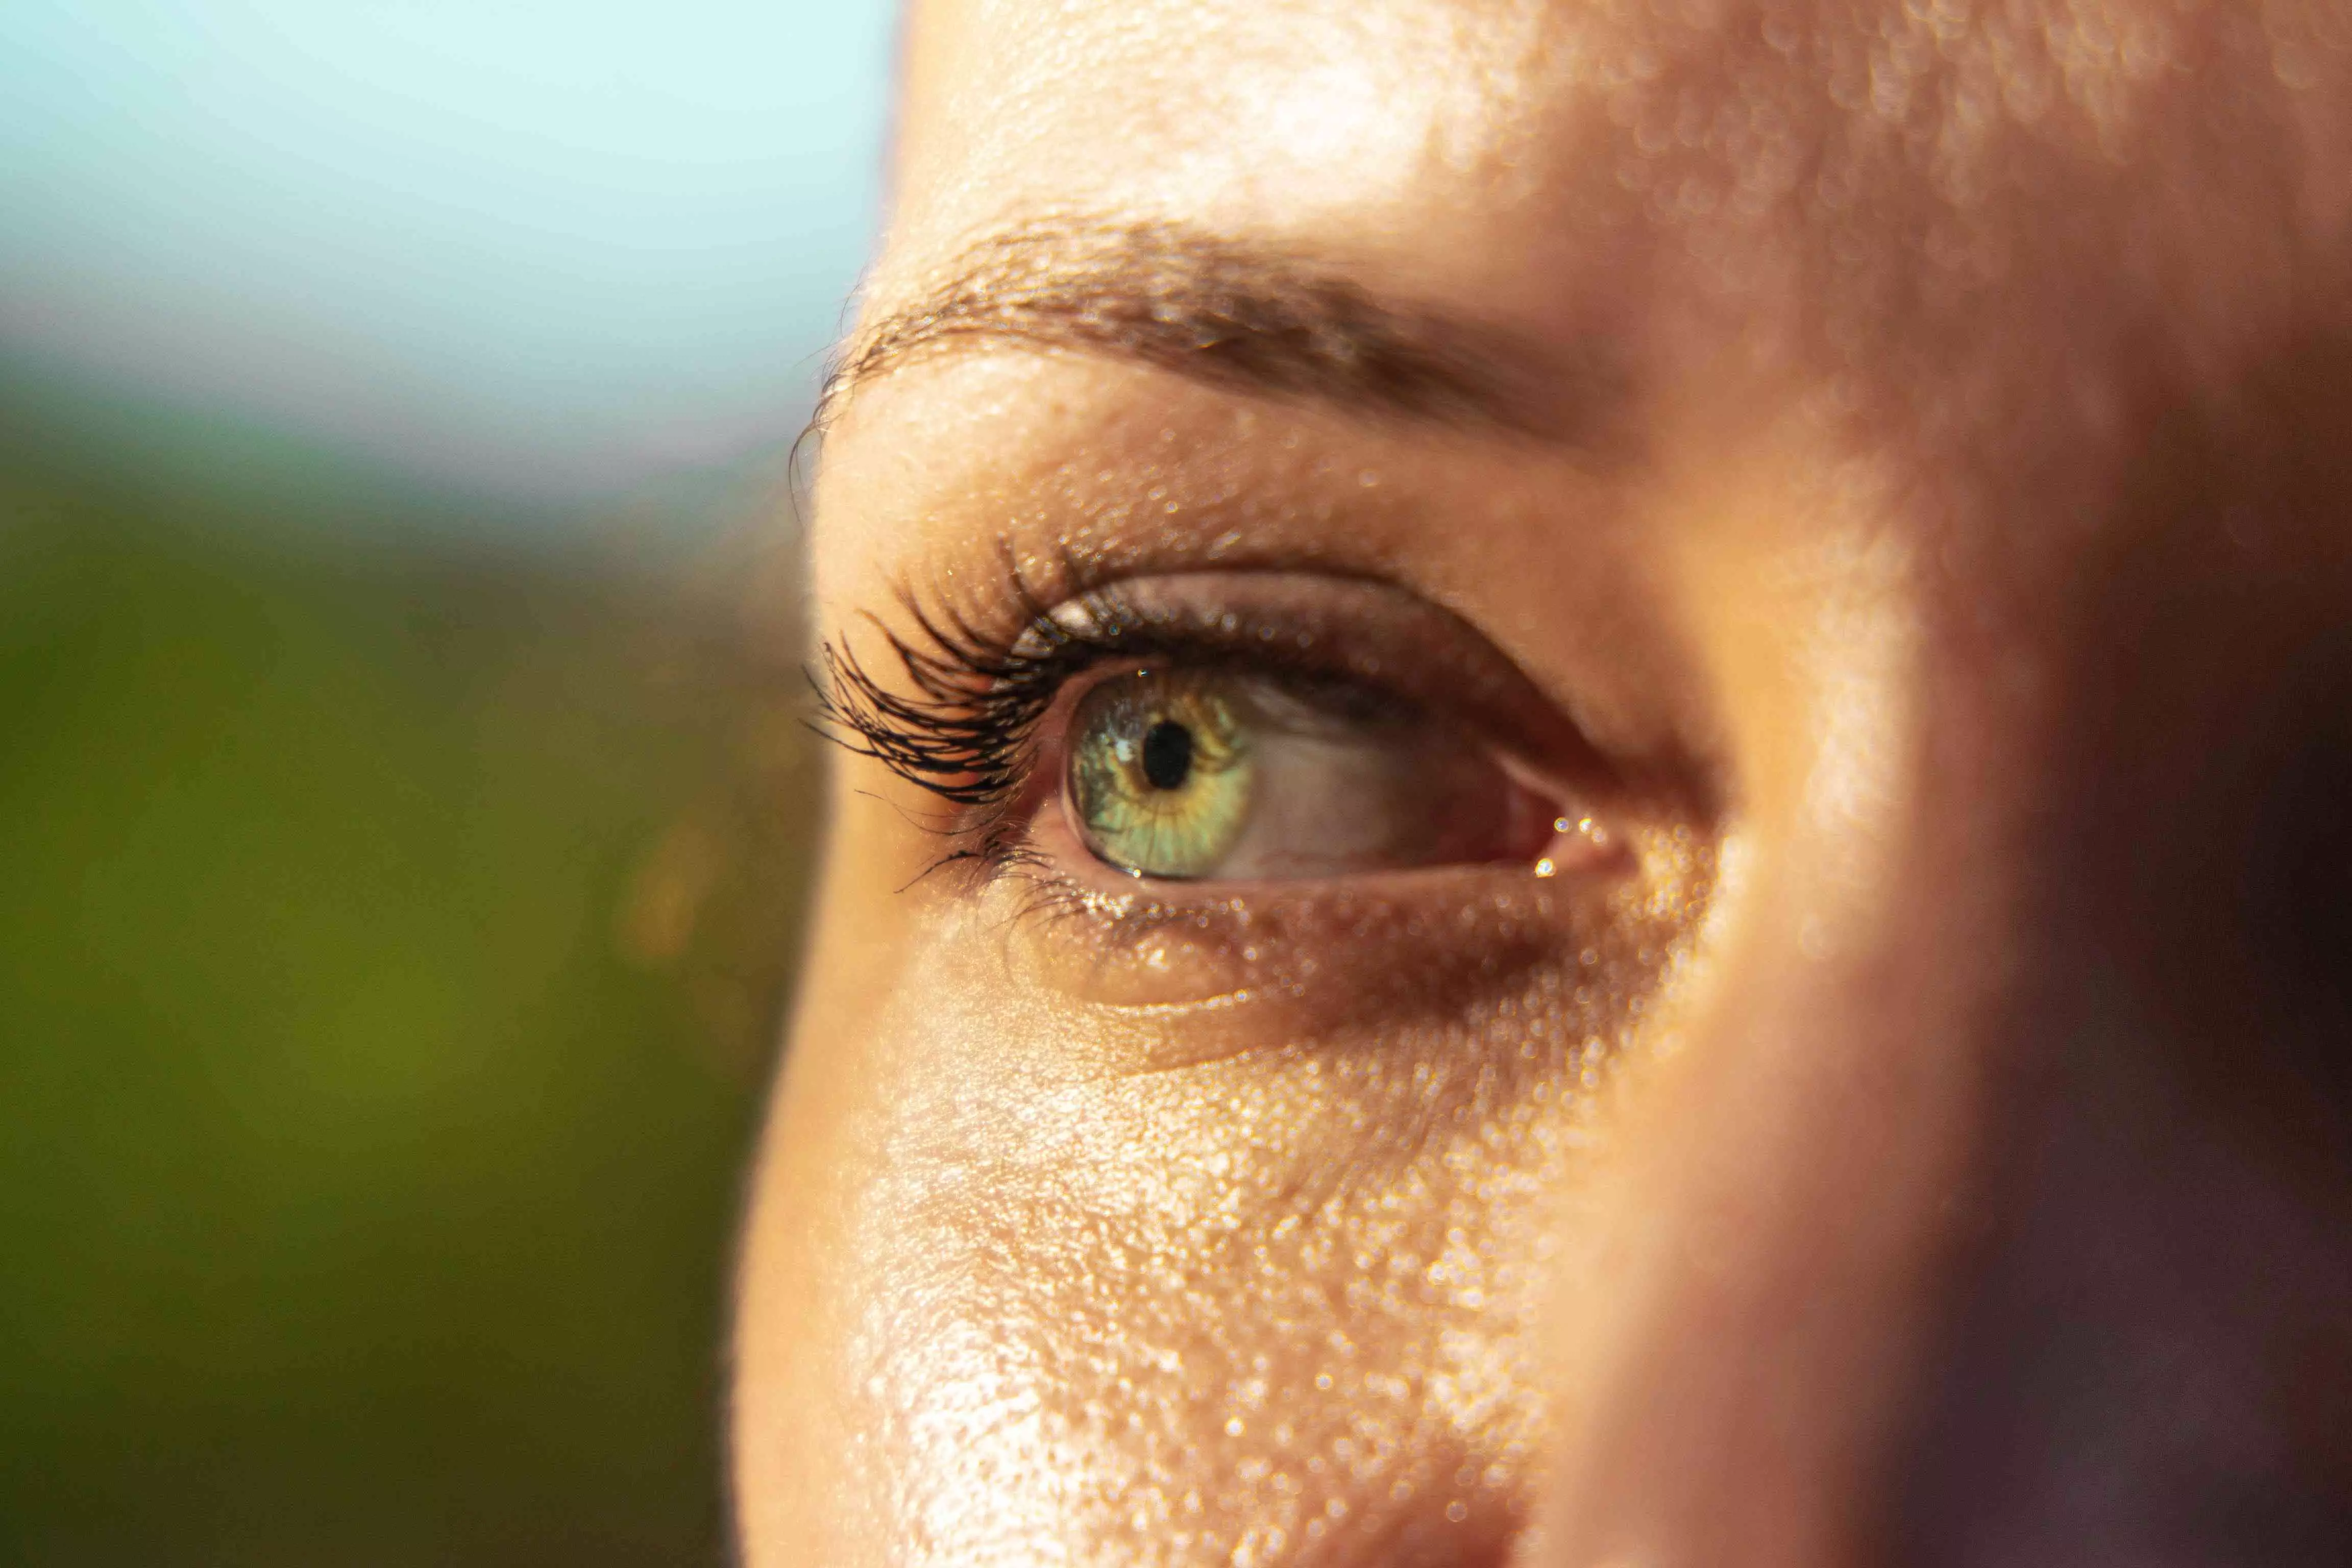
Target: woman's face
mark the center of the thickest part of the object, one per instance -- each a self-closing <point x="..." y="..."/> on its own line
<point x="1602" y="811"/>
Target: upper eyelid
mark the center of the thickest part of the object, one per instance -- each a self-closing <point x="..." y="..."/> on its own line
<point x="1373" y="633"/>
<point x="964" y="725"/>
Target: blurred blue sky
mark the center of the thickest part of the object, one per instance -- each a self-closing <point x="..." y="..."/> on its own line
<point x="548" y="246"/>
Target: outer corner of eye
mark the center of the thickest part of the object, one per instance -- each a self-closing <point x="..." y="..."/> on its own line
<point x="1577" y="839"/>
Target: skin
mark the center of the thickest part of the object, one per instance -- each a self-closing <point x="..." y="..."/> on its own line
<point x="1919" y="1133"/>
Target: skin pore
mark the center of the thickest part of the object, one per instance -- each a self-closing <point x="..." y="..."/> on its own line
<point x="1766" y="588"/>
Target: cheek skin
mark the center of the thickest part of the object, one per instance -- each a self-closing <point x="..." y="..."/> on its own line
<point x="1269" y="1304"/>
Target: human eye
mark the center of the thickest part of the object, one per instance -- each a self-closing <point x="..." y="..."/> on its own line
<point x="1228" y="773"/>
<point x="1227" y="731"/>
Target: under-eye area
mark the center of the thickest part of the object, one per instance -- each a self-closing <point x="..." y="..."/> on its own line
<point x="1297" y="961"/>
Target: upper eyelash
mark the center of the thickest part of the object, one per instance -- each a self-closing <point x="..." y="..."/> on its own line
<point x="961" y="726"/>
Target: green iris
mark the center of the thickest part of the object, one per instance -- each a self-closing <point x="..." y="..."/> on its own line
<point x="1161" y="773"/>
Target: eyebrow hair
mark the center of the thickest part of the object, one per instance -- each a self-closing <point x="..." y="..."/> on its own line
<point x="1217" y="311"/>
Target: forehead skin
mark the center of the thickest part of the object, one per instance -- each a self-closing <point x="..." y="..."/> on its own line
<point x="1947" y="332"/>
<point x="1868" y="175"/>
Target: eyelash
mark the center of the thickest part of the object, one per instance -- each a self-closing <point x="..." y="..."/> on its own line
<point x="964" y="728"/>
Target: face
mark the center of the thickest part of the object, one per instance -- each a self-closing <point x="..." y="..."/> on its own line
<point x="1595" y="797"/>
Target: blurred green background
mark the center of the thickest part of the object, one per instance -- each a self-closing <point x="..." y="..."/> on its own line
<point x="403" y="801"/>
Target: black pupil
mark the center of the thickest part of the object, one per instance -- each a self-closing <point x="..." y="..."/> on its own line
<point x="1167" y="754"/>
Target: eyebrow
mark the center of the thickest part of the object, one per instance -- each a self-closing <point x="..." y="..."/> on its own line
<point x="1227" y="313"/>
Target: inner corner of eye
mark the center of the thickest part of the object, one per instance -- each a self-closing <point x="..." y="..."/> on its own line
<point x="1194" y="775"/>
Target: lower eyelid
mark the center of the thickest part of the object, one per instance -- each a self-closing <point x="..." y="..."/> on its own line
<point x="1206" y="971"/>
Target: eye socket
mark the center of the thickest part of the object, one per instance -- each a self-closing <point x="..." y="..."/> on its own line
<point x="1186" y="774"/>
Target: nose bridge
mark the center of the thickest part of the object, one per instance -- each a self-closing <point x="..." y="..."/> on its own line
<point x="1972" y="1222"/>
<point x="1794" y="1188"/>
<point x="2142" y="1353"/>
<point x="1857" y="1217"/>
